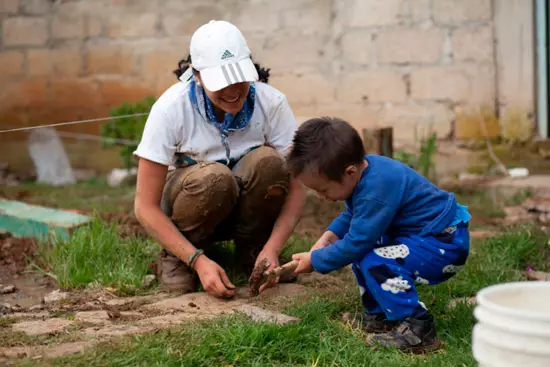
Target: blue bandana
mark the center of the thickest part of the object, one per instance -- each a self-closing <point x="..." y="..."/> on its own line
<point x="204" y="107"/>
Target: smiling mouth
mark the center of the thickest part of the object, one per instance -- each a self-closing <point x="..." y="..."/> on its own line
<point x="231" y="100"/>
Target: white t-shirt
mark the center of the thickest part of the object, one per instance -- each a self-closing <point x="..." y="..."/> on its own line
<point x="174" y="126"/>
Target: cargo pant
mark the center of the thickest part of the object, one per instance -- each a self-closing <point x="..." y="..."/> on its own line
<point x="210" y="202"/>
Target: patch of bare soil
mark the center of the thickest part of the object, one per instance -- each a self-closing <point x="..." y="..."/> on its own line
<point x="127" y="225"/>
<point x="316" y="216"/>
<point x="14" y="252"/>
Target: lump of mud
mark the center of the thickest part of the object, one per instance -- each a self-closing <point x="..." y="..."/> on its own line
<point x="126" y="225"/>
<point x="13" y="253"/>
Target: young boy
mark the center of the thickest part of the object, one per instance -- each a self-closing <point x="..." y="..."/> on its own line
<point x="398" y="230"/>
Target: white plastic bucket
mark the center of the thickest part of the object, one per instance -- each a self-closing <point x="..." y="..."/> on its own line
<point x="513" y="325"/>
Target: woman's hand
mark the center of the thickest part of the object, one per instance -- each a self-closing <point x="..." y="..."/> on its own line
<point x="304" y="262"/>
<point x="272" y="256"/>
<point x="213" y="278"/>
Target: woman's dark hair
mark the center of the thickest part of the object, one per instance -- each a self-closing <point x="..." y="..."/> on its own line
<point x="183" y="65"/>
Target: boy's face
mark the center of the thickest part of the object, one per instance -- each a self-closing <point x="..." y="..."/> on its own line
<point x="332" y="190"/>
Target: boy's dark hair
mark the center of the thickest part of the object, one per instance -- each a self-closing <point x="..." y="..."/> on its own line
<point x="183" y="65"/>
<point x="325" y="145"/>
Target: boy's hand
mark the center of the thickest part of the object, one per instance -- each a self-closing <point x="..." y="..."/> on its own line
<point x="304" y="262"/>
<point x="320" y="244"/>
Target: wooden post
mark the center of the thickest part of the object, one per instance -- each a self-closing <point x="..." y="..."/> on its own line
<point x="379" y="141"/>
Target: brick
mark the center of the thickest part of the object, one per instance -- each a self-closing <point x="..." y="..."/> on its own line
<point x="27" y="31"/>
<point x="260" y="18"/>
<point x="94" y="26"/>
<point x="473" y="44"/>
<point x="160" y="62"/>
<point x="373" y="13"/>
<point x="439" y="83"/>
<point x="461" y="11"/>
<point x="307" y="17"/>
<point x="358" y="115"/>
<point x="109" y="59"/>
<point x="59" y="62"/>
<point x="286" y="52"/>
<point x="409" y="46"/>
<point x="420" y="10"/>
<point x="357" y="47"/>
<point x="186" y="23"/>
<point x="468" y="123"/>
<point x="116" y="92"/>
<point x="11" y="64"/>
<point x="413" y="119"/>
<point x="24" y="94"/>
<point x="36" y="6"/>
<point x="68" y="22"/>
<point x="307" y="89"/>
<point x="482" y="81"/>
<point x="132" y="25"/>
<point x="372" y="87"/>
<point x="9" y="6"/>
<point x="74" y="93"/>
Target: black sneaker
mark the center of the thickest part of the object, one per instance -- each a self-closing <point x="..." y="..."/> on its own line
<point x="411" y="335"/>
<point x="371" y="324"/>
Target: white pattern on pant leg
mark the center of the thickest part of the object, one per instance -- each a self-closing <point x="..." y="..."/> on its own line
<point x="442" y="251"/>
<point x="361" y="290"/>
<point x="396" y="285"/>
<point x="423" y="305"/>
<point x="392" y="252"/>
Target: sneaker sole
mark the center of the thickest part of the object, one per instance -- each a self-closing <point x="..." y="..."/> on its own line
<point x="426" y="348"/>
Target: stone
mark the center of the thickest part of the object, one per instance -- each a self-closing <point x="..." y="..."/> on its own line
<point x="65" y="349"/>
<point x="37" y="307"/>
<point x="118" y="330"/>
<point x="8" y="289"/>
<point x="461" y="11"/>
<point x="49" y="157"/>
<point x="262" y="315"/>
<point x="403" y="46"/>
<point x="25" y="31"/>
<point x="9" y="6"/>
<point x="473" y="44"/>
<point x="373" y="13"/>
<point x="41" y="327"/>
<point x="372" y="86"/>
<point x="55" y="296"/>
<point x="120" y="176"/>
<point x="12" y="64"/>
<point x="132" y="25"/>
<point x="537" y="275"/>
<point x="439" y="83"/>
<point x="358" y="47"/>
<point x="468" y="177"/>
<point x="93" y="317"/>
<point x="148" y="281"/>
<point x="469" y="301"/>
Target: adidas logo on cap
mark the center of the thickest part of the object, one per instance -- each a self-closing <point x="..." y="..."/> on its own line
<point x="227" y="54"/>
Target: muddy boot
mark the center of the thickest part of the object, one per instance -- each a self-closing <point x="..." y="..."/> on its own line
<point x="175" y="275"/>
<point x="370" y="324"/>
<point x="415" y="335"/>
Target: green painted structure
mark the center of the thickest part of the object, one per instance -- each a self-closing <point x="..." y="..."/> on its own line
<point x="25" y="220"/>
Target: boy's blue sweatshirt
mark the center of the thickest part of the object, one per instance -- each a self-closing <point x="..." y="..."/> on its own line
<point x="390" y="198"/>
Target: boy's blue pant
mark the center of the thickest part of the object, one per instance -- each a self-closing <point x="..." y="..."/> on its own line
<point x="388" y="274"/>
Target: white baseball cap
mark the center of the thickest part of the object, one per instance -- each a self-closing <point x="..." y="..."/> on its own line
<point x="220" y="53"/>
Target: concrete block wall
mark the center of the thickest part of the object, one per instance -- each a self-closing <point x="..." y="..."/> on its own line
<point x="411" y="64"/>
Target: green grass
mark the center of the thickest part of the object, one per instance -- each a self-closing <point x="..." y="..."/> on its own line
<point x="95" y="253"/>
<point x="320" y="339"/>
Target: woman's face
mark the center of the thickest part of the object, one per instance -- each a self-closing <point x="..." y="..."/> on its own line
<point x="229" y="99"/>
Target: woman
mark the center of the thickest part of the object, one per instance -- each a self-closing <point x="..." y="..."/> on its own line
<point x="226" y="135"/>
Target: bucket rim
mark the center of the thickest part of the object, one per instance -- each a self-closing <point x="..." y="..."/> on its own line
<point x="483" y="294"/>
